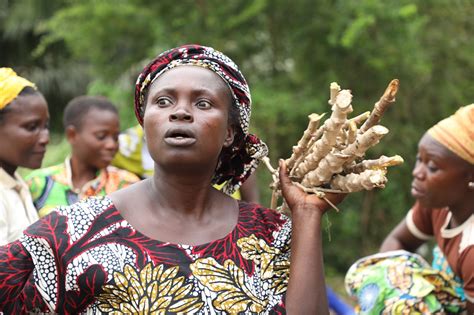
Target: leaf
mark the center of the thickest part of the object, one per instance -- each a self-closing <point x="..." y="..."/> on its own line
<point x="259" y="251"/>
<point x="90" y="285"/>
<point x="253" y="220"/>
<point x="229" y="282"/>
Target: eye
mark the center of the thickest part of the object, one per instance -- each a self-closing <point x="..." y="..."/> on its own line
<point x="163" y="102"/>
<point x="432" y="167"/>
<point x="203" y="104"/>
<point x="100" y="136"/>
<point x="32" y="126"/>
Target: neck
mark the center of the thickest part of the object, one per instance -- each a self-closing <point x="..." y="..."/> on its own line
<point x="463" y="211"/>
<point x="81" y="173"/>
<point x="188" y="194"/>
<point x="10" y="169"/>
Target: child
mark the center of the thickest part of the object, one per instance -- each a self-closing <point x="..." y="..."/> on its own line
<point x="92" y="127"/>
<point x="24" y="134"/>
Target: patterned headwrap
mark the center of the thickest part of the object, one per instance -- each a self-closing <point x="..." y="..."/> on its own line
<point x="457" y="133"/>
<point x="238" y="161"/>
<point x="11" y="85"/>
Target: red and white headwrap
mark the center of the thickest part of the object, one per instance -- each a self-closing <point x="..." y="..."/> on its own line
<point x="238" y="161"/>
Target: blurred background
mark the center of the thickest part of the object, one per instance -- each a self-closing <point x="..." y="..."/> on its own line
<point x="289" y="51"/>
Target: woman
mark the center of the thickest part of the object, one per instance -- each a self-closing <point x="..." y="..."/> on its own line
<point x="443" y="185"/>
<point x="173" y="243"/>
<point x="24" y="135"/>
<point x="91" y="124"/>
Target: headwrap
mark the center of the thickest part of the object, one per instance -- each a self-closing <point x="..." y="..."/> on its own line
<point x="11" y="85"/>
<point x="238" y="161"/>
<point x="457" y="133"/>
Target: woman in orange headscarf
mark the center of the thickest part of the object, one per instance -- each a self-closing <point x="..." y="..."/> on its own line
<point x="443" y="186"/>
<point x="24" y="135"/>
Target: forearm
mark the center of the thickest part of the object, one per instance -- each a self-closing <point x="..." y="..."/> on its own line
<point x="306" y="292"/>
<point x="470" y="308"/>
<point x="401" y="238"/>
<point x="390" y="243"/>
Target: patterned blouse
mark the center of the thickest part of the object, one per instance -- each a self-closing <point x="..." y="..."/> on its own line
<point x="85" y="258"/>
<point x="52" y="186"/>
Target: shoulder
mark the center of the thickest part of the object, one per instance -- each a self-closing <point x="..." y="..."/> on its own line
<point x="90" y="207"/>
<point x="122" y="175"/>
<point x="41" y="181"/>
<point x="70" y="222"/>
<point x="262" y="214"/>
<point x="43" y="172"/>
<point x="424" y="216"/>
<point x="467" y="269"/>
<point x="467" y="237"/>
<point x="264" y="222"/>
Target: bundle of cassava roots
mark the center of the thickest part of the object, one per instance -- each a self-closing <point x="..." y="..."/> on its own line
<point x="329" y="158"/>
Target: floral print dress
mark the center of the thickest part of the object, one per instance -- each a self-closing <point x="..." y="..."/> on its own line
<point x="86" y="258"/>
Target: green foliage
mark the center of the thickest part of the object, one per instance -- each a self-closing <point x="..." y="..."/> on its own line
<point x="289" y="51"/>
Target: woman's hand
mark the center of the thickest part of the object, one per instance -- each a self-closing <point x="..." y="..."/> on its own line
<point x="306" y="262"/>
<point x="298" y="200"/>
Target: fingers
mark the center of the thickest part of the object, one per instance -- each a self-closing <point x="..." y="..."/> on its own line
<point x="335" y="198"/>
<point x="295" y="195"/>
<point x="285" y="181"/>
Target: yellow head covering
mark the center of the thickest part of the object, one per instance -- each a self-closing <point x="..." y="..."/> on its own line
<point x="457" y="133"/>
<point x="11" y="85"/>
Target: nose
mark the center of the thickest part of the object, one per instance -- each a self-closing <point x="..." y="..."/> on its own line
<point x="181" y="115"/>
<point x="44" y="137"/>
<point x="418" y="171"/>
<point x="111" y="144"/>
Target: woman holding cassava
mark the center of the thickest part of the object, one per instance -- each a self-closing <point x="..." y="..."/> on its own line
<point x="173" y="243"/>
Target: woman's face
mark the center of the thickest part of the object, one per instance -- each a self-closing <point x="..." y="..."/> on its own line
<point x="440" y="178"/>
<point x="24" y="132"/>
<point x="186" y="120"/>
<point x="95" y="142"/>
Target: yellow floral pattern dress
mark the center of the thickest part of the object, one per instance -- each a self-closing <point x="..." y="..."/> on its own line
<point x="85" y="258"/>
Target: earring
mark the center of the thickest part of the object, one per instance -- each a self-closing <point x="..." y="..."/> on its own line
<point x="471" y="185"/>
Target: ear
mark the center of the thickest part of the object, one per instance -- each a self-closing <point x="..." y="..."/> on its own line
<point x="229" y="139"/>
<point x="470" y="176"/>
<point x="71" y="133"/>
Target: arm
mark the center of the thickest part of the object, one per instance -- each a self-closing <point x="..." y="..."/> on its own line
<point x="401" y="238"/>
<point x="249" y="190"/>
<point x="306" y="293"/>
<point x="470" y="307"/>
<point x="16" y="267"/>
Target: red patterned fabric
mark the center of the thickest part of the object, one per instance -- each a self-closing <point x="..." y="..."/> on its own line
<point x="87" y="258"/>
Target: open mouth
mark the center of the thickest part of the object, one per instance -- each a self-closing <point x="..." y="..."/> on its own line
<point x="180" y="137"/>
